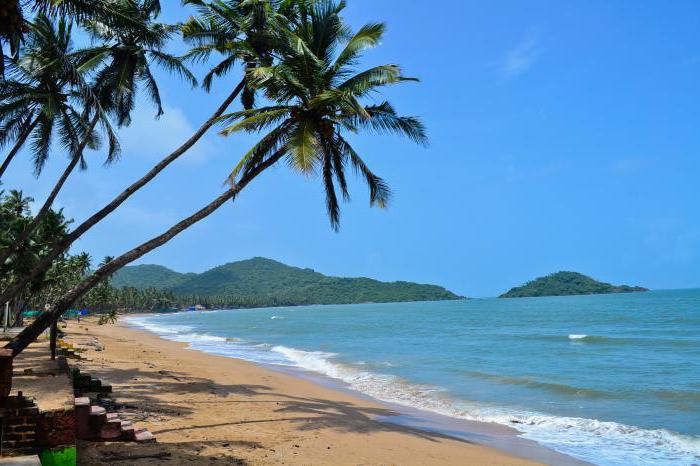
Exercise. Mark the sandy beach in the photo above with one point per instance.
(208, 409)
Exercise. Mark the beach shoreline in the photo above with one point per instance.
(189, 400)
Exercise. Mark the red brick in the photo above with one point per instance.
(24, 428)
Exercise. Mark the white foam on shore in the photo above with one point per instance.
(598, 442)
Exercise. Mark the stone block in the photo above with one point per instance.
(95, 385)
(111, 430)
(98, 416)
(128, 433)
(83, 381)
(144, 436)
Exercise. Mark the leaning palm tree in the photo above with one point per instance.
(121, 63)
(316, 97)
(318, 101)
(50, 91)
(221, 28)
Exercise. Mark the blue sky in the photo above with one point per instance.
(564, 136)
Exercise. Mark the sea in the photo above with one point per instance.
(607, 379)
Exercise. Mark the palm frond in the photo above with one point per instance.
(379, 191)
(369, 80)
(332, 206)
(254, 119)
(304, 147)
(269, 144)
(153, 91)
(383, 119)
(173, 65)
(366, 37)
(41, 142)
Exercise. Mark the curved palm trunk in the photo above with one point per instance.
(49, 200)
(30, 333)
(64, 244)
(18, 145)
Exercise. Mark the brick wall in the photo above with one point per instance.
(55, 429)
(18, 425)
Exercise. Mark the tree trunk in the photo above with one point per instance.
(49, 200)
(30, 333)
(52, 339)
(64, 244)
(18, 145)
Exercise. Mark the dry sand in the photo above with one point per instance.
(206, 409)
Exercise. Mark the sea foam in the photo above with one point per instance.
(598, 442)
(606, 443)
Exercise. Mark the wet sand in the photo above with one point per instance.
(207, 409)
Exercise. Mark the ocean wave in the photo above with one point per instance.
(146, 324)
(547, 386)
(599, 442)
(611, 340)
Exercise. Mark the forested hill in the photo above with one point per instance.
(567, 283)
(270, 282)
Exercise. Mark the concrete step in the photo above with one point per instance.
(144, 436)
(82, 417)
(98, 417)
(30, 460)
(83, 381)
(128, 433)
(111, 430)
(98, 411)
(95, 385)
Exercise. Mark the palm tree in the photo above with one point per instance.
(49, 84)
(17, 202)
(128, 50)
(316, 97)
(240, 31)
(317, 102)
(40, 98)
(122, 63)
(234, 28)
(15, 215)
(14, 25)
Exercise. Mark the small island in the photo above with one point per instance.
(566, 284)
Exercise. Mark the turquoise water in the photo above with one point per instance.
(610, 379)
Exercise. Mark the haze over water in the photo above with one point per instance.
(610, 379)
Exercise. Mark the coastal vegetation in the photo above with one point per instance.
(298, 55)
(265, 282)
(567, 283)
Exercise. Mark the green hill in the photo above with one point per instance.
(269, 281)
(147, 276)
(567, 283)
